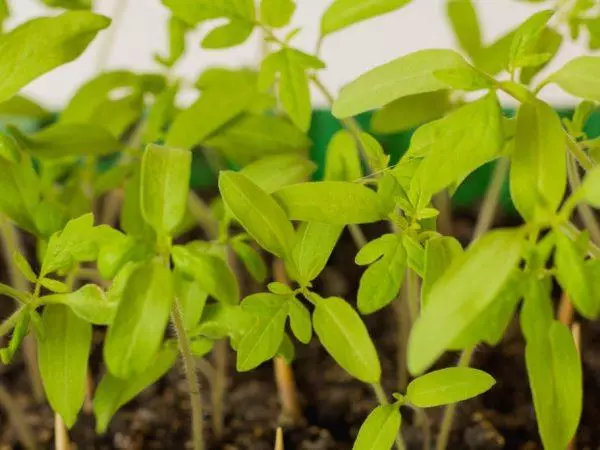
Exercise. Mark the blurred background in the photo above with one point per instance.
(141, 32)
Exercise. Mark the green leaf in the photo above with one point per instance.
(379, 430)
(195, 11)
(63, 140)
(177, 33)
(24, 267)
(591, 187)
(164, 186)
(409, 75)
(69, 4)
(410, 111)
(54, 285)
(251, 259)
(342, 160)
(89, 303)
(333, 202)
(447, 386)
(63, 360)
(466, 79)
(23, 106)
(346, 339)
(161, 113)
(210, 271)
(580, 77)
(220, 321)
(233, 33)
(261, 343)
(373, 250)
(344, 13)
(554, 370)
(538, 172)
(53, 40)
(300, 321)
(380, 283)
(113, 392)
(191, 299)
(19, 332)
(257, 212)
(440, 252)
(537, 312)
(465, 24)
(314, 244)
(137, 332)
(526, 39)
(274, 172)
(276, 13)
(549, 43)
(252, 137)
(577, 277)
(214, 109)
(456, 145)
(462, 294)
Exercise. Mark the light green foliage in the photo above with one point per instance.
(465, 24)
(89, 303)
(274, 172)
(554, 370)
(524, 43)
(164, 187)
(538, 173)
(300, 320)
(257, 212)
(380, 429)
(191, 298)
(440, 252)
(177, 33)
(409, 75)
(20, 331)
(331, 202)
(262, 342)
(344, 13)
(411, 111)
(210, 271)
(69, 4)
(20, 191)
(591, 188)
(20, 105)
(462, 295)
(136, 334)
(113, 392)
(580, 77)
(346, 339)
(40, 45)
(381, 282)
(24, 267)
(160, 114)
(342, 160)
(446, 386)
(63, 360)
(276, 13)
(251, 259)
(313, 247)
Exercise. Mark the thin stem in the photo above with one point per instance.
(357, 236)
(383, 400)
(490, 201)
(191, 377)
(279, 439)
(449, 412)
(443, 203)
(573, 232)
(9, 324)
(425, 426)
(61, 436)
(585, 212)
(582, 157)
(219, 386)
(17, 419)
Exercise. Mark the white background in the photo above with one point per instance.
(141, 33)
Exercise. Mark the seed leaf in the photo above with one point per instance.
(379, 430)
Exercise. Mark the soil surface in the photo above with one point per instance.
(333, 403)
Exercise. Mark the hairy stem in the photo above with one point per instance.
(219, 386)
(190, 375)
(585, 212)
(449, 412)
(490, 201)
(17, 419)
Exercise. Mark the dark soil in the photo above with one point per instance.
(334, 404)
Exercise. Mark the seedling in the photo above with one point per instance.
(124, 229)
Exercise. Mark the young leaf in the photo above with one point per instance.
(440, 252)
(220, 321)
(526, 39)
(89, 303)
(591, 187)
(538, 172)
(300, 321)
(191, 299)
(379, 430)
(465, 24)
(63, 360)
(251, 259)
(344, 13)
(342, 159)
(333, 202)
(20, 187)
(537, 312)
(411, 111)
(577, 277)
(375, 249)
(447, 386)
(462, 294)
(233, 33)
(257, 212)
(20, 331)
(580, 77)
(113, 392)
(274, 172)
(315, 242)
(164, 187)
(381, 282)
(24, 267)
(54, 41)
(276, 13)
(554, 370)
(177, 33)
(261, 343)
(139, 325)
(346, 339)
(210, 271)
(161, 113)
(409, 75)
